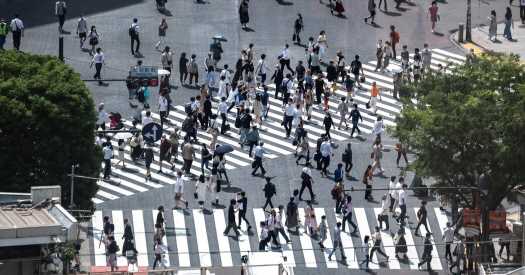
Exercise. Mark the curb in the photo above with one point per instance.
(466, 46)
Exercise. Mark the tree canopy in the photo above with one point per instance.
(47, 123)
(468, 123)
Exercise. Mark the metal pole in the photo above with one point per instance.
(468, 29)
(71, 203)
(61, 48)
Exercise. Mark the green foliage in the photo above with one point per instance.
(468, 123)
(47, 123)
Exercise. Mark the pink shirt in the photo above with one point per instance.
(433, 10)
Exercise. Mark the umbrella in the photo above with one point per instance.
(220, 37)
(123, 135)
(163, 72)
(223, 149)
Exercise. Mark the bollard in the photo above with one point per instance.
(460, 33)
(61, 48)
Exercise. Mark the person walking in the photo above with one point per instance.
(400, 244)
(355, 115)
(427, 253)
(298, 26)
(188, 153)
(433, 14)
(306, 183)
(183, 68)
(93, 39)
(179, 191)
(385, 8)
(374, 94)
(357, 68)
(60, 12)
(17, 30)
(422, 217)
(377, 154)
(262, 70)
(284, 59)
(426, 58)
(269, 191)
(379, 128)
(394, 40)
(134, 36)
(372, 12)
(166, 59)
(98, 60)
(148, 159)
(383, 215)
(448, 237)
(379, 55)
(326, 154)
(231, 219)
(365, 247)
(289, 112)
(159, 254)
(165, 153)
(346, 158)
(292, 217)
(159, 224)
(322, 232)
(376, 238)
(128, 238)
(342, 108)
(243, 14)
(206, 156)
(303, 149)
(82, 30)
(402, 198)
(367, 181)
(338, 195)
(322, 43)
(258, 159)
(163, 26)
(337, 243)
(111, 251)
(508, 24)
(392, 192)
(347, 211)
(493, 26)
(243, 208)
(327, 123)
(107, 151)
(279, 228)
(252, 139)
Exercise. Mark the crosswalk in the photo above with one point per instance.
(131, 180)
(195, 238)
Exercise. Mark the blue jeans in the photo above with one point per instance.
(506, 31)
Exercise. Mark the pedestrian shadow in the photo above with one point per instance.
(512, 40)
(138, 55)
(103, 84)
(248, 29)
(284, 3)
(375, 25)
(521, 26)
(85, 50)
(411, 3)
(166, 12)
(130, 170)
(231, 189)
(351, 178)
(438, 33)
(201, 2)
(65, 32)
(402, 9)
(342, 16)
(496, 41)
(360, 138)
(392, 13)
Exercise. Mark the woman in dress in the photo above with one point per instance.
(309, 220)
(163, 26)
(493, 26)
(322, 43)
(243, 13)
(257, 109)
(292, 219)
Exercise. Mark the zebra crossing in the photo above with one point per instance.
(194, 238)
(131, 180)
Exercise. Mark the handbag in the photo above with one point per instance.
(294, 37)
(362, 79)
(368, 105)
(253, 164)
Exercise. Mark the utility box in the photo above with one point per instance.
(41, 193)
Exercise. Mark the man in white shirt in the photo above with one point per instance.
(448, 237)
(326, 153)
(163, 109)
(134, 35)
(147, 119)
(257, 162)
(286, 88)
(222, 109)
(108, 155)
(261, 70)
(392, 192)
(337, 242)
(402, 203)
(179, 189)
(98, 60)
(60, 12)
(285, 59)
(289, 112)
(17, 29)
(82, 30)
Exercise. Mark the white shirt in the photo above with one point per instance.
(285, 54)
(222, 89)
(82, 25)
(378, 128)
(261, 67)
(448, 233)
(17, 24)
(163, 104)
(326, 149)
(227, 75)
(195, 105)
(288, 83)
(179, 185)
(58, 4)
(98, 58)
(307, 171)
(259, 151)
(402, 197)
(146, 120)
(392, 187)
(223, 107)
(385, 205)
(136, 27)
(289, 110)
(103, 117)
(166, 58)
(108, 153)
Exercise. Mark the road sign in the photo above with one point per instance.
(152, 132)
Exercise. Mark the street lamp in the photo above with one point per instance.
(72, 185)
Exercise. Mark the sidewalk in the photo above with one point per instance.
(482, 43)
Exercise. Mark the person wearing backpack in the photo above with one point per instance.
(193, 69)
(394, 40)
(17, 29)
(3, 32)
(298, 26)
(60, 12)
(134, 36)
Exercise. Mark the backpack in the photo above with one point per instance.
(237, 123)
(131, 31)
(186, 125)
(187, 108)
(284, 86)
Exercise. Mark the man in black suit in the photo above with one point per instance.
(231, 219)
(243, 207)
(269, 191)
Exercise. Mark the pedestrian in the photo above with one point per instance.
(379, 55)
(206, 156)
(427, 253)
(159, 254)
(128, 238)
(159, 224)
(357, 68)
(292, 219)
(405, 61)
(387, 55)
(376, 238)
(341, 66)
(269, 191)
(379, 127)
(298, 26)
(17, 29)
(310, 223)
(402, 197)
(108, 155)
(394, 40)
(277, 77)
(314, 61)
(179, 191)
(422, 217)
(372, 11)
(342, 108)
(183, 68)
(284, 59)
(166, 59)
(365, 247)
(306, 183)
(243, 14)
(338, 173)
(60, 12)
(136, 144)
(102, 117)
(385, 6)
(326, 154)
(367, 181)
(262, 70)
(242, 202)
(93, 39)
(163, 26)
(400, 244)
(322, 231)
(320, 87)
(134, 36)
(337, 243)
(448, 237)
(327, 123)
(508, 24)
(377, 155)
(322, 43)
(221, 169)
(111, 251)
(303, 150)
(493, 26)
(383, 215)
(148, 159)
(264, 237)
(231, 219)
(401, 151)
(392, 192)
(98, 60)
(433, 14)
(279, 228)
(426, 57)
(4, 30)
(289, 112)
(121, 148)
(355, 115)
(459, 251)
(82, 30)
(245, 119)
(331, 72)
(347, 211)
(374, 93)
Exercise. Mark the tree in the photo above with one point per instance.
(466, 124)
(47, 124)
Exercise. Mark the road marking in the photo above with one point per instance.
(140, 237)
(388, 244)
(98, 230)
(224, 242)
(181, 236)
(306, 243)
(118, 220)
(364, 230)
(435, 263)
(202, 238)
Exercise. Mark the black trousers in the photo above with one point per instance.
(242, 216)
(448, 255)
(306, 185)
(268, 202)
(422, 222)
(61, 20)
(381, 1)
(158, 259)
(258, 164)
(287, 123)
(231, 225)
(183, 76)
(17, 37)
(355, 127)
(98, 68)
(348, 166)
(348, 217)
(522, 13)
(403, 214)
(286, 62)
(135, 41)
(107, 168)
(377, 247)
(223, 123)
(325, 164)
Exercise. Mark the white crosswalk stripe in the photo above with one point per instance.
(435, 263)
(131, 180)
(192, 227)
